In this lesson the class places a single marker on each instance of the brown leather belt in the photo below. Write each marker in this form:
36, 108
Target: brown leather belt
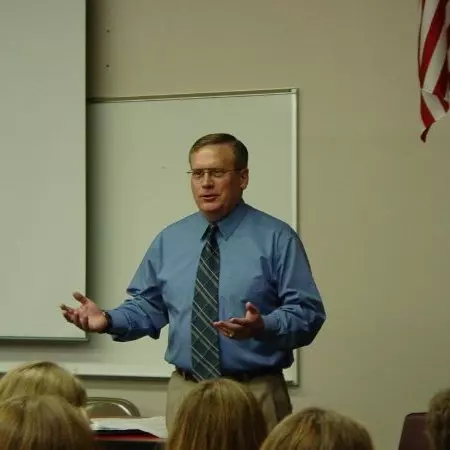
237, 376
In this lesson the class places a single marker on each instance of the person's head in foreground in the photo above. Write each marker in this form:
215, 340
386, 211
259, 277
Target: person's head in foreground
43, 377
318, 429
43, 422
218, 414
438, 420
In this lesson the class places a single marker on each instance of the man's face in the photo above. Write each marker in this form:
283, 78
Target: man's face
216, 185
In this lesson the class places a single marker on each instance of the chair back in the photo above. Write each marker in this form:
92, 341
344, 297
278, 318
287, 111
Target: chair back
414, 436
111, 407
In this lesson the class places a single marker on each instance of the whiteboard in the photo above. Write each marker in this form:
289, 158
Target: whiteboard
137, 185
42, 166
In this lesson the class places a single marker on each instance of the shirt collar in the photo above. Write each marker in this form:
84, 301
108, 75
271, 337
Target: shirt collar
229, 223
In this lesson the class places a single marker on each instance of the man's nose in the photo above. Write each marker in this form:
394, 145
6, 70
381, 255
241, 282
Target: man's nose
207, 180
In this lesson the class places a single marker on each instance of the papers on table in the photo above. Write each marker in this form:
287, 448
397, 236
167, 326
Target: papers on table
152, 425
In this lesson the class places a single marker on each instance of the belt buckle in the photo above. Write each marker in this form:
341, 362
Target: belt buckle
187, 376
245, 377
241, 377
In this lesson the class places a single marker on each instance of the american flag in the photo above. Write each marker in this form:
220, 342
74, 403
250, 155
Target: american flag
434, 77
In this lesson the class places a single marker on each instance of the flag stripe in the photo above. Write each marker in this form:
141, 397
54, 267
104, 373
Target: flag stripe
431, 35
433, 69
441, 87
433, 62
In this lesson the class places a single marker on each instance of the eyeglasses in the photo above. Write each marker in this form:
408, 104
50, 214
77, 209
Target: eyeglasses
198, 174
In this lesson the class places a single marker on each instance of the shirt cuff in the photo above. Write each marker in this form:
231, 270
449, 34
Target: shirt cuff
119, 322
271, 323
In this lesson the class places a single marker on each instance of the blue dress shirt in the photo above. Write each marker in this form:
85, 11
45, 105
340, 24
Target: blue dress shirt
262, 260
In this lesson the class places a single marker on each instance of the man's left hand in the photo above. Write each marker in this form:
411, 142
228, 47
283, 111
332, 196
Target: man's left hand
242, 328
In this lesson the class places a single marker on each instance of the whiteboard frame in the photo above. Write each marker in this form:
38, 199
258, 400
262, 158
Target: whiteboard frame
282, 91
295, 382
83, 337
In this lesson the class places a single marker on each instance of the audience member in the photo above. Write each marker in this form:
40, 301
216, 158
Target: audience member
43, 422
43, 377
318, 429
219, 414
438, 420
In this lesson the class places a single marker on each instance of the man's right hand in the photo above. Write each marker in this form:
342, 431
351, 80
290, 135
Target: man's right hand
88, 316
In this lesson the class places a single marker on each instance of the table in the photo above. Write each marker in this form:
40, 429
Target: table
117, 441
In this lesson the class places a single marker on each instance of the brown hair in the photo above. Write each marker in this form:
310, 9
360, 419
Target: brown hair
318, 429
218, 414
43, 377
43, 422
239, 149
438, 420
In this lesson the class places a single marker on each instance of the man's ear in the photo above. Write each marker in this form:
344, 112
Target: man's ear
244, 178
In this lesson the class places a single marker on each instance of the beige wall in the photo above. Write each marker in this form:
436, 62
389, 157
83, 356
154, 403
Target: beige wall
373, 199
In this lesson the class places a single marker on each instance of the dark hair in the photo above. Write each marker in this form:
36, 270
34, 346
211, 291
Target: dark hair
239, 149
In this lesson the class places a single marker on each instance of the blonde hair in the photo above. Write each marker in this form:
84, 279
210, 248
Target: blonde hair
318, 429
43, 422
43, 377
438, 420
218, 414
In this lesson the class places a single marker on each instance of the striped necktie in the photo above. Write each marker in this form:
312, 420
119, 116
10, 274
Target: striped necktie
205, 310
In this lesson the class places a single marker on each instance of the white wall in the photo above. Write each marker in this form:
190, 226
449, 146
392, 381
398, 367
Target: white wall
373, 199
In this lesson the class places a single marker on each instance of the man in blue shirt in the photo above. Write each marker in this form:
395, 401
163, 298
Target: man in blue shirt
233, 283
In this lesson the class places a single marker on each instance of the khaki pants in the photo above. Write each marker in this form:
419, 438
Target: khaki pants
270, 391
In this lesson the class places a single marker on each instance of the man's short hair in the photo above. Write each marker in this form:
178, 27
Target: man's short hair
239, 149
